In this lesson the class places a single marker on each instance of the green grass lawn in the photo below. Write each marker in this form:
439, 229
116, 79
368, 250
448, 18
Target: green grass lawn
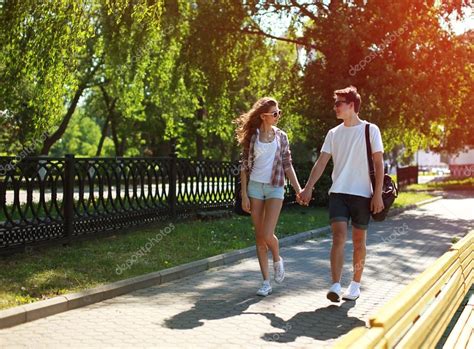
414, 193
409, 198
43, 274
447, 183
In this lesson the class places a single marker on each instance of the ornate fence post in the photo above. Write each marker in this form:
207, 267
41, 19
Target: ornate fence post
236, 174
172, 179
68, 197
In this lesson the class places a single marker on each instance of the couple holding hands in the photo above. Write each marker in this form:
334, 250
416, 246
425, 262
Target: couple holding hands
267, 160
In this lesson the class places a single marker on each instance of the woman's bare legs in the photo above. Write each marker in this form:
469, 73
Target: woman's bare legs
265, 217
270, 220
257, 214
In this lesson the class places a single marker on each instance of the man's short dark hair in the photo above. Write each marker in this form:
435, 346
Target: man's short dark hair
351, 95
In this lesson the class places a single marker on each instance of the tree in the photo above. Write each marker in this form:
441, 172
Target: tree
41, 45
148, 72
397, 54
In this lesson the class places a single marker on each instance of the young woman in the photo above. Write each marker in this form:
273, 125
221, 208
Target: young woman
266, 158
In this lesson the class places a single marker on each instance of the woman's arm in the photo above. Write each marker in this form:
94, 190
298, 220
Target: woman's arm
243, 182
288, 165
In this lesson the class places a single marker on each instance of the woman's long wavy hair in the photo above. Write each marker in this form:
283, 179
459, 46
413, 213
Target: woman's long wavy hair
248, 122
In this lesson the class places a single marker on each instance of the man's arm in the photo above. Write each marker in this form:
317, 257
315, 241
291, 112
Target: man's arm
376, 204
291, 174
318, 169
316, 173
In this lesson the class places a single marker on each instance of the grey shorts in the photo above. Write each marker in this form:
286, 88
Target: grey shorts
264, 191
343, 207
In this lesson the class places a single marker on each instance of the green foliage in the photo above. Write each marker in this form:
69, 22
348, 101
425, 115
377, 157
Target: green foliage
41, 45
402, 61
155, 71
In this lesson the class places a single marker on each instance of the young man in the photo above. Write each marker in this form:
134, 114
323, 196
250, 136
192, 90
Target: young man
351, 195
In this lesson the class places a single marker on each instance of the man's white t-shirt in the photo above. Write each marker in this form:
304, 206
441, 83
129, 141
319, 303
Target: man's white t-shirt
349, 153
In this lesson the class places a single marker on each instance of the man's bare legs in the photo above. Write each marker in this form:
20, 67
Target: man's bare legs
339, 236
358, 258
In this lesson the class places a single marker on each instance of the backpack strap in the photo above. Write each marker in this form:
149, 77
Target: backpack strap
369, 156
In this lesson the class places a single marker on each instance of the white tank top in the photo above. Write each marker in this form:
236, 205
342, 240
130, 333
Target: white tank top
264, 155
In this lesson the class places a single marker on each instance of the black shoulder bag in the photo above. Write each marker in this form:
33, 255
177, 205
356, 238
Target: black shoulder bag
389, 188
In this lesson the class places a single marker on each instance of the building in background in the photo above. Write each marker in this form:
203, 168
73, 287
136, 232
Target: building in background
456, 165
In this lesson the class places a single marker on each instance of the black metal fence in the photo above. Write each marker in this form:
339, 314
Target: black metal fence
407, 175
46, 200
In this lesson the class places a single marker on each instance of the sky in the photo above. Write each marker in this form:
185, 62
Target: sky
463, 26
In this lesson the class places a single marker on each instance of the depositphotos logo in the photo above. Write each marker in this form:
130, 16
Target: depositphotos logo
370, 57
144, 249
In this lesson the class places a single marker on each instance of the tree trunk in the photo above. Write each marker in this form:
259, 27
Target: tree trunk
112, 116
199, 140
103, 135
115, 138
49, 141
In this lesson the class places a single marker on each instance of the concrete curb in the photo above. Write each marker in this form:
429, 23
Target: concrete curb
29, 312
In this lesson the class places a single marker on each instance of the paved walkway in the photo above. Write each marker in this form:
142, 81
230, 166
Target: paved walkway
218, 308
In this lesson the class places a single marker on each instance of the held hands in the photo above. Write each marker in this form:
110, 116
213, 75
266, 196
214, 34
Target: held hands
304, 196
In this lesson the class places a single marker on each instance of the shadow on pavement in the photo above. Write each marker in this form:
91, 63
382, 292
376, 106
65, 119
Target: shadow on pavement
321, 324
209, 309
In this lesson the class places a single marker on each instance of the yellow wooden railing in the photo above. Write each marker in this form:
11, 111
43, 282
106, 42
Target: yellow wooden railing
462, 333
418, 316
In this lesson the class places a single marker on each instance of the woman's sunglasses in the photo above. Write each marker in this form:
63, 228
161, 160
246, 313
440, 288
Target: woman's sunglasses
275, 113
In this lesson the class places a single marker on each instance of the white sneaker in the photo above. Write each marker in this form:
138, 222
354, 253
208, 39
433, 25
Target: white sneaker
279, 269
334, 294
265, 290
352, 292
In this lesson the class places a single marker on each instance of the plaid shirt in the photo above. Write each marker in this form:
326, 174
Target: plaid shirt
281, 162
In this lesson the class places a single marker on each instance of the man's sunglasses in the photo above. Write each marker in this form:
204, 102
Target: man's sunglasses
339, 103
275, 113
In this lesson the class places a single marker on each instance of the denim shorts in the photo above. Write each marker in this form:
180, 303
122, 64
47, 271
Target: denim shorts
343, 207
264, 191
